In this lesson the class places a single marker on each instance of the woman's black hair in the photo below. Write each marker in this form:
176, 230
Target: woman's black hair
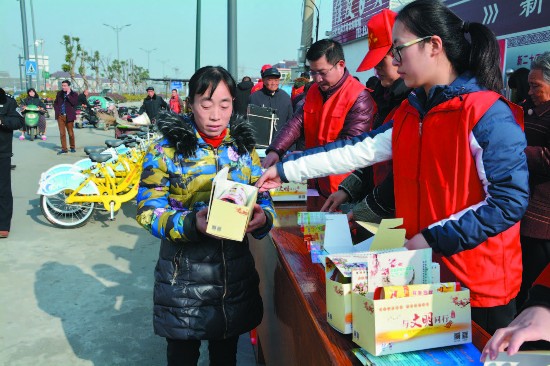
480, 55
209, 77
34, 90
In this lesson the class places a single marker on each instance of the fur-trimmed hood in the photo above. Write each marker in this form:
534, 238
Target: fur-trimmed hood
182, 133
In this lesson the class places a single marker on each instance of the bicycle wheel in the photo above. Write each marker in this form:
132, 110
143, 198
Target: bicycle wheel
64, 215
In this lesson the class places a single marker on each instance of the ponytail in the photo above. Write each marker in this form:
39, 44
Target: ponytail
485, 57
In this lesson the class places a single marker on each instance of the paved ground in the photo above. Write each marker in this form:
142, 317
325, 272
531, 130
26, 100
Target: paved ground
77, 296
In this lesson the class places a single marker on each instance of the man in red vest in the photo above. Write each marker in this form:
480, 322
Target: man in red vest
336, 107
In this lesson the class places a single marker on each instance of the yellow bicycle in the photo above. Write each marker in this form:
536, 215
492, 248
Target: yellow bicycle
69, 196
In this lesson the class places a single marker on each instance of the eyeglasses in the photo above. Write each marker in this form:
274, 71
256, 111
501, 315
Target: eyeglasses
322, 73
396, 50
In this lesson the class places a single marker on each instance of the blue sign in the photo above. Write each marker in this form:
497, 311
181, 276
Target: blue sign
30, 68
176, 85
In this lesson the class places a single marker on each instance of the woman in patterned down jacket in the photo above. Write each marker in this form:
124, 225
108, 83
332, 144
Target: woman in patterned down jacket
206, 288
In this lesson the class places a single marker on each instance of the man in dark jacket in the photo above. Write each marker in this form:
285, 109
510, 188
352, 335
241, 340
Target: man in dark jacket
152, 104
83, 99
273, 97
10, 120
240, 103
64, 105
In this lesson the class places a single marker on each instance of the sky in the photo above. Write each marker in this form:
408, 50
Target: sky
268, 31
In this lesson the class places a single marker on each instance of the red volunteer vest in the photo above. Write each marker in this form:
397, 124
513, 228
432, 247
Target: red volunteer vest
544, 278
435, 176
175, 105
324, 121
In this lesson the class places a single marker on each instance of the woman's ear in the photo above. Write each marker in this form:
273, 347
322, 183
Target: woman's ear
437, 45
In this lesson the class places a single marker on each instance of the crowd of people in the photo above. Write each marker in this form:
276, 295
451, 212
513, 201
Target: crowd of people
433, 140
469, 183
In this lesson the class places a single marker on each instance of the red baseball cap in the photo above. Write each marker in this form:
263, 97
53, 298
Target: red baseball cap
265, 67
380, 39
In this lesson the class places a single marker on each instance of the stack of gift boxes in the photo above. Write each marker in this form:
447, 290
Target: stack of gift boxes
389, 298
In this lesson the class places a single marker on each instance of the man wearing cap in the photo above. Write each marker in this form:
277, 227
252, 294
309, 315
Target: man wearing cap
273, 97
371, 188
260, 84
336, 106
152, 104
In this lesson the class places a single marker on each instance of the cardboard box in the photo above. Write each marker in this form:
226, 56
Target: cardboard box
352, 272
338, 270
289, 192
405, 324
231, 206
326, 233
349, 267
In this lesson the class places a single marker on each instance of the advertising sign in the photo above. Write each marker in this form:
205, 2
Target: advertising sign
350, 17
503, 16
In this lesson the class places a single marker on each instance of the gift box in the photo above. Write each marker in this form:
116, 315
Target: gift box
382, 261
412, 323
230, 208
289, 192
352, 272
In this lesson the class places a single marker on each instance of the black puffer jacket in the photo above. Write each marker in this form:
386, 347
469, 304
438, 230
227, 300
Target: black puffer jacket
242, 93
194, 305
205, 288
11, 120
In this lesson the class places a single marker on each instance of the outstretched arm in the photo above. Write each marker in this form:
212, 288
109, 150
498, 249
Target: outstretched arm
337, 157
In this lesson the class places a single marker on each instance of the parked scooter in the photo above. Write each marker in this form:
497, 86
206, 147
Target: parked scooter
32, 117
86, 117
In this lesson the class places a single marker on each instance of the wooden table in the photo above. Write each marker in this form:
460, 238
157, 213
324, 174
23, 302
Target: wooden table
294, 330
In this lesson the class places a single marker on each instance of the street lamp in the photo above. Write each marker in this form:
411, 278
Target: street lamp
117, 30
317, 20
41, 43
148, 54
163, 62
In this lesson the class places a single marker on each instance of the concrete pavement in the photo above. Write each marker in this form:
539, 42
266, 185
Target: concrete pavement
77, 296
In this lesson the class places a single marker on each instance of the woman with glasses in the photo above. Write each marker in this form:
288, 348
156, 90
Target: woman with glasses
460, 171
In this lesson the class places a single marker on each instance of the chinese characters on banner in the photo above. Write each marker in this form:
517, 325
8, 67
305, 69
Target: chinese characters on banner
350, 17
